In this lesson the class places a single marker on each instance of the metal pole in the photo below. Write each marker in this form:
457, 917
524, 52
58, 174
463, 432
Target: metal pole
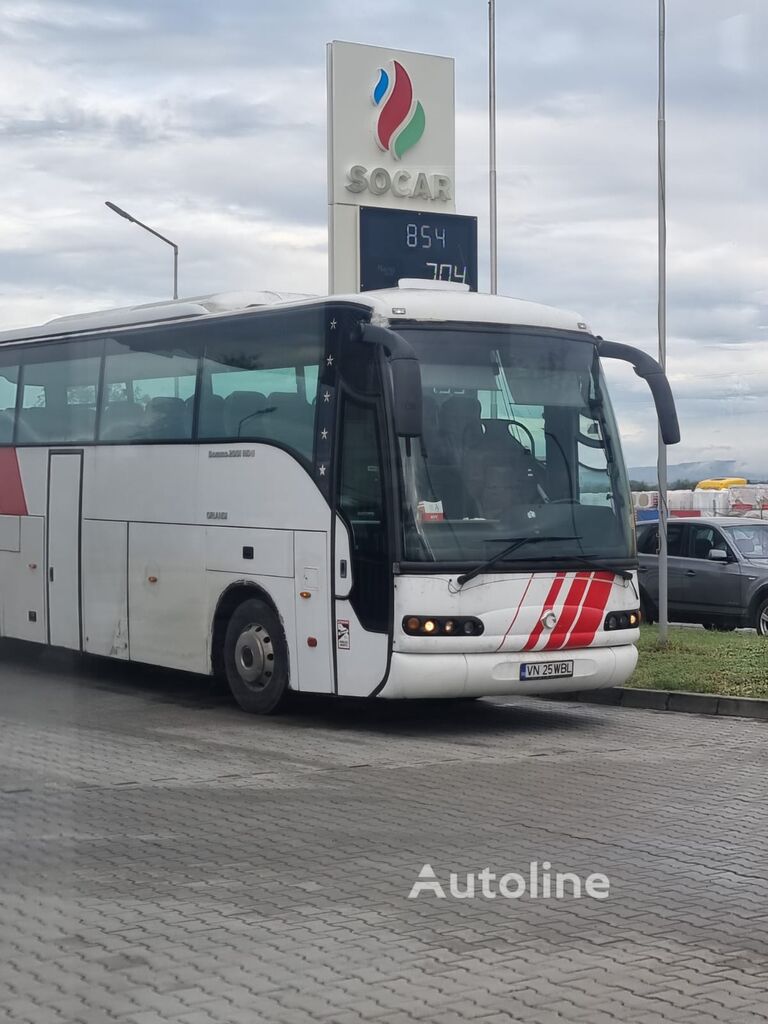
662, 323
129, 217
492, 141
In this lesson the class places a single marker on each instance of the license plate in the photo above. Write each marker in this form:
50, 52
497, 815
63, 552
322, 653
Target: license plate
546, 669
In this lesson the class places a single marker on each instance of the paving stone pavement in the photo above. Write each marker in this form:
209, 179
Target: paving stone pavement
166, 858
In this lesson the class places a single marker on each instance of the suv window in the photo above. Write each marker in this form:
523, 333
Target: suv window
648, 542
704, 539
675, 539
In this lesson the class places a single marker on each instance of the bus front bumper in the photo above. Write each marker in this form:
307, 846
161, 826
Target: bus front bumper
420, 676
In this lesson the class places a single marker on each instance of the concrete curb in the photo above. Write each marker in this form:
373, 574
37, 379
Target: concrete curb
673, 700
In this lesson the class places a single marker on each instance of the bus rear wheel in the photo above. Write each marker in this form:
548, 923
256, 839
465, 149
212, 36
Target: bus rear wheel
256, 658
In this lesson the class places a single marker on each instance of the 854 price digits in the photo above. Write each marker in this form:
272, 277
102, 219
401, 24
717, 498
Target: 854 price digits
423, 236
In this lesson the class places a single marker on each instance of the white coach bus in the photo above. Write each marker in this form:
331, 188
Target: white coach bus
416, 492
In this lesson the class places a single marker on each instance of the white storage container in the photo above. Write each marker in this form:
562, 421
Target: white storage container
647, 499
711, 503
680, 500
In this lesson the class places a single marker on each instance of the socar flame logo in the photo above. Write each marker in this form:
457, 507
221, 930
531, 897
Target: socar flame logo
401, 118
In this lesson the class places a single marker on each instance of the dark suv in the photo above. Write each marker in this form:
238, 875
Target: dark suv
718, 572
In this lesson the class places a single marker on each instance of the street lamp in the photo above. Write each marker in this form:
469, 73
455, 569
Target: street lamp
127, 216
492, 143
663, 608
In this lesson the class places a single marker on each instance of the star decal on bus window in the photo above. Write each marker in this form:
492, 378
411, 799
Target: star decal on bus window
327, 396
333, 324
321, 470
329, 361
324, 434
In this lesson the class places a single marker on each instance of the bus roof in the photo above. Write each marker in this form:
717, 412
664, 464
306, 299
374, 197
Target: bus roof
412, 300
440, 302
150, 313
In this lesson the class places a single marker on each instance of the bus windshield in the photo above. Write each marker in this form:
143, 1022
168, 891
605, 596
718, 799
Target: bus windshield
519, 440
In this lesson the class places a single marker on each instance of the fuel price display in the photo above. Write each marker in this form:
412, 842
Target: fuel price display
433, 246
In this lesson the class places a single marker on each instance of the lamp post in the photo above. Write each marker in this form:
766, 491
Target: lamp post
127, 216
662, 324
492, 143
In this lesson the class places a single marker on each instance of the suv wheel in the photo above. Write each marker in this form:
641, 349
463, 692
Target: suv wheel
761, 618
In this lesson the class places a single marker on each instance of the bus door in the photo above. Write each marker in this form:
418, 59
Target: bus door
65, 473
362, 550
313, 611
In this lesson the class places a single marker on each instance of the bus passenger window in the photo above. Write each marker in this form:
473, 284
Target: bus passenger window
58, 399
9, 376
260, 381
148, 395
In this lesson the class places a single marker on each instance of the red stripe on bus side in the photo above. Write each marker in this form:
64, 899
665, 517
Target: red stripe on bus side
591, 617
551, 597
569, 612
12, 501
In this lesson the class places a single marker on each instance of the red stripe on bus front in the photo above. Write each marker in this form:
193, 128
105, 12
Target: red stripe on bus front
551, 597
569, 612
517, 611
12, 501
592, 611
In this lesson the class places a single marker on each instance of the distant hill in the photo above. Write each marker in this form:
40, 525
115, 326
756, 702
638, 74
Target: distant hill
700, 471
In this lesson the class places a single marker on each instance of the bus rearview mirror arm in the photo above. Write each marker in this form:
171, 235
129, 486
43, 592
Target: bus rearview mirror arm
651, 372
406, 378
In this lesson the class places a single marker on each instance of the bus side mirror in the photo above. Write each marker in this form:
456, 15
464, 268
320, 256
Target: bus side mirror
406, 392
651, 372
406, 378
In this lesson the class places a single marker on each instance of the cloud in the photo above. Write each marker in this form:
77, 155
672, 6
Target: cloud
26, 19
208, 121
67, 120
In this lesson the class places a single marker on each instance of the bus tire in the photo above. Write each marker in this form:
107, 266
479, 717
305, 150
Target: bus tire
256, 658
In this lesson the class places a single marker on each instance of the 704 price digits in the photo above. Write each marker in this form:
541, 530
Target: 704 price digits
448, 272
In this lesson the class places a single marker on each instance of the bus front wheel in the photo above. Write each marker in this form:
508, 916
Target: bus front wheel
256, 658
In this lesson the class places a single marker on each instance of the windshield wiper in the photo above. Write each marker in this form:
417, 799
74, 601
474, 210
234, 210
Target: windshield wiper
589, 563
500, 555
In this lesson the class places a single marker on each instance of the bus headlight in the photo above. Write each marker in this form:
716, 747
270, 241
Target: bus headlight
621, 620
437, 625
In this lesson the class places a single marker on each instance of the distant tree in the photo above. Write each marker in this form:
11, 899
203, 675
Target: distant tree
675, 485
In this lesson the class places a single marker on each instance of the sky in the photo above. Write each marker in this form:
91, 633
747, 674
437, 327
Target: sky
207, 121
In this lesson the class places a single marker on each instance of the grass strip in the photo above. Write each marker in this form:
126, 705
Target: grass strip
734, 664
